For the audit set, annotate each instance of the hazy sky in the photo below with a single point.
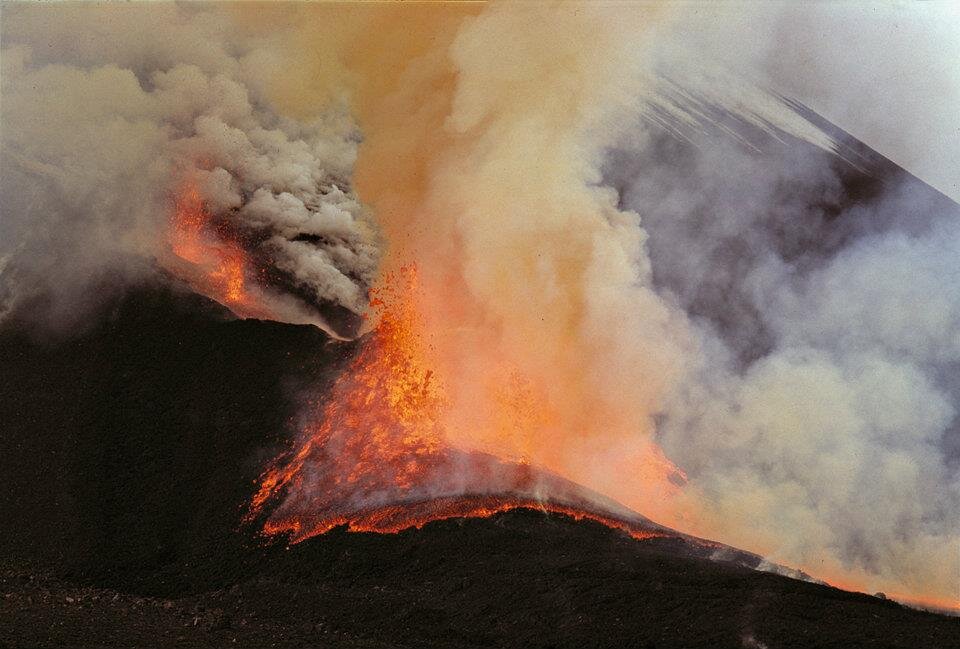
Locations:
(887, 72)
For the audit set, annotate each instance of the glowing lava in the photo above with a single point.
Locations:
(205, 258)
(377, 459)
(395, 518)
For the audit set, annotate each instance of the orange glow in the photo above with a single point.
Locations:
(855, 583)
(396, 518)
(378, 429)
(212, 265)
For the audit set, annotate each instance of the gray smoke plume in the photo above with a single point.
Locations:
(824, 408)
(106, 109)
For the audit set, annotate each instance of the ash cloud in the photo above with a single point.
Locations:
(106, 109)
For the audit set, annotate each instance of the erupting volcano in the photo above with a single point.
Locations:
(376, 458)
(403, 324)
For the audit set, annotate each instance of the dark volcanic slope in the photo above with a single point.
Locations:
(521, 579)
(128, 452)
(133, 445)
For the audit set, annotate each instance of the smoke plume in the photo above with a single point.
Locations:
(819, 425)
(107, 110)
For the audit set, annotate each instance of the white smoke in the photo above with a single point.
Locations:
(821, 422)
(106, 108)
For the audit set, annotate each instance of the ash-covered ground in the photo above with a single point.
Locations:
(129, 451)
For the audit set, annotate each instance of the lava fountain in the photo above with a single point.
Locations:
(377, 458)
(530, 344)
(377, 455)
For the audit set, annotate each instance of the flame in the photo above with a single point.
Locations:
(211, 263)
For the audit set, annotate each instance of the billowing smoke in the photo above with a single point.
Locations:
(820, 422)
(107, 111)
(627, 240)
(536, 285)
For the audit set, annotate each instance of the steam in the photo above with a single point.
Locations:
(627, 239)
(834, 442)
(99, 130)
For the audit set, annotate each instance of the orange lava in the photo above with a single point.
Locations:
(211, 264)
(373, 439)
(378, 424)
(396, 518)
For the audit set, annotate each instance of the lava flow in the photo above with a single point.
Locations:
(376, 458)
(211, 263)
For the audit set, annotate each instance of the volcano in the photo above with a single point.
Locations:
(149, 459)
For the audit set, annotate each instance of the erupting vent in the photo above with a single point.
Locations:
(376, 458)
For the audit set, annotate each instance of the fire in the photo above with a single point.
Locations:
(211, 263)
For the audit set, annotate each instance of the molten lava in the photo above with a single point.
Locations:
(395, 518)
(209, 261)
